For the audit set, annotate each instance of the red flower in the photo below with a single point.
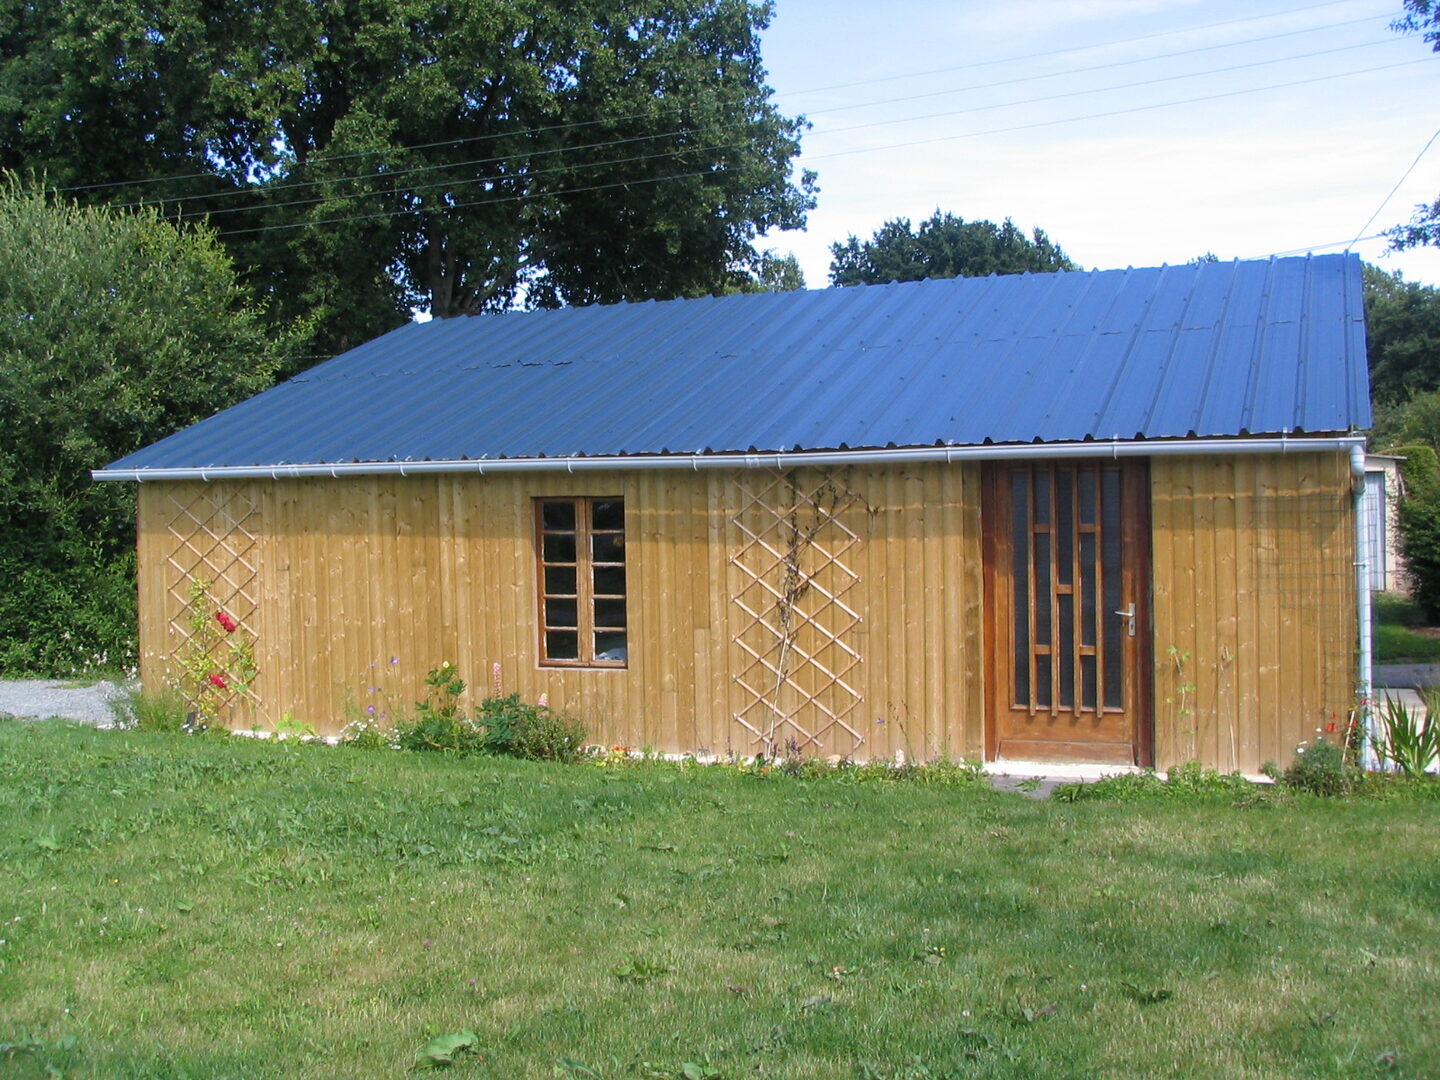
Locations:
(226, 621)
(217, 680)
(1330, 727)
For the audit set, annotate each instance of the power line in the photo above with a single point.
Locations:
(461, 205)
(1403, 177)
(637, 116)
(1122, 86)
(1119, 63)
(1318, 247)
(843, 153)
(1122, 112)
(1099, 45)
(719, 146)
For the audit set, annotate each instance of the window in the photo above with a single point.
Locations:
(582, 581)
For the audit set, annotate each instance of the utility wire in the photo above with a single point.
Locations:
(842, 153)
(639, 158)
(1098, 45)
(1118, 63)
(369, 174)
(1124, 112)
(1121, 86)
(637, 116)
(1317, 247)
(1403, 177)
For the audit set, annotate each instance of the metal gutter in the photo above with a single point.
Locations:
(1111, 448)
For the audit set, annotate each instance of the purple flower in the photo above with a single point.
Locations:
(371, 710)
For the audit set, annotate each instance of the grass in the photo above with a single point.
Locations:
(1398, 637)
(179, 907)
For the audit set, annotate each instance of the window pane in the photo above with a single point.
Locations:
(1087, 588)
(1067, 650)
(611, 646)
(558, 515)
(1020, 552)
(559, 547)
(607, 514)
(562, 645)
(560, 579)
(1064, 536)
(1085, 482)
(1087, 683)
(610, 581)
(609, 613)
(560, 613)
(1042, 588)
(608, 547)
(1042, 498)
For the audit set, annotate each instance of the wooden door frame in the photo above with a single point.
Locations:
(1135, 507)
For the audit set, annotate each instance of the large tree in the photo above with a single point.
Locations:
(944, 246)
(1421, 17)
(115, 330)
(364, 158)
(1403, 323)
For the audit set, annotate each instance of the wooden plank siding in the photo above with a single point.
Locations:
(368, 582)
(371, 581)
(1254, 605)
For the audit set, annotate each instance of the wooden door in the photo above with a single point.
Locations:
(1067, 591)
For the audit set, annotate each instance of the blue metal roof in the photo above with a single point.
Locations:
(1212, 349)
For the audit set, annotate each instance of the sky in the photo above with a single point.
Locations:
(1134, 132)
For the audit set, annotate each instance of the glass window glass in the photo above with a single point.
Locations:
(608, 547)
(559, 515)
(560, 579)
(559, 547)
(607, 514)
(562, 645)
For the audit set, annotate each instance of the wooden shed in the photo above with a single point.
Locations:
(1104, 516)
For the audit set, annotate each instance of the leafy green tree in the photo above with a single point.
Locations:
(362, 160)
(115, 330)
(1420, 524)
(1421, 17)
(769, 273)
(945, 246)
(1403, 323)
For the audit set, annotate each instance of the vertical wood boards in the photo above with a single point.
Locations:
(1254, 606)
(1251, 579)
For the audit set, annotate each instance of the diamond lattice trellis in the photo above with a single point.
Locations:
(212, 571)
(794, 627)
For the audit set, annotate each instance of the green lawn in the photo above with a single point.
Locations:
(1399, 632)
(200, 908)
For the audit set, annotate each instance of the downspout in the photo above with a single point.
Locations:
(1366, 717)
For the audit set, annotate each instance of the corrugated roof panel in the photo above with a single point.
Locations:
(1213, 349)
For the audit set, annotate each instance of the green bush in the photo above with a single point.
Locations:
(115, 330)
(438, 723)
(1420, 525)
(534, 732)
(1320, 769)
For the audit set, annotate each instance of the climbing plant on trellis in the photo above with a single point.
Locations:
(212, 599)
(794, 628)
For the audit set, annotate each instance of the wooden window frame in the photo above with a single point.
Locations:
(585, 565)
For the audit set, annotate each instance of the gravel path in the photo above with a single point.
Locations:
(73, 699)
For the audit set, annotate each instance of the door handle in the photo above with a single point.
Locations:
(1128, 614)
